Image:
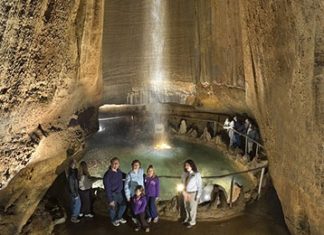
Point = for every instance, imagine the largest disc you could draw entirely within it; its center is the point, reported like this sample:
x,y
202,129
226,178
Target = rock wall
x,y
201,44
283,64
50,73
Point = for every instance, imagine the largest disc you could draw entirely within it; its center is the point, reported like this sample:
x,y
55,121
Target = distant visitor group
x,y
138,192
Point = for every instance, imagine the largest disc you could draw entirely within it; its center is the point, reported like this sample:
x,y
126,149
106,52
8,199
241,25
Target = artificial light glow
x,y
101,128
162,146
180,187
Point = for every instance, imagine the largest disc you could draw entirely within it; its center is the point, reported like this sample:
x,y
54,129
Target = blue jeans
x,y
237,140
117,212
75,206
151,208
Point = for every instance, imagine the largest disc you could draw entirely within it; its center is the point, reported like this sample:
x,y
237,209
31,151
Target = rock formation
x,y
202,49
283,65
264,58
50,84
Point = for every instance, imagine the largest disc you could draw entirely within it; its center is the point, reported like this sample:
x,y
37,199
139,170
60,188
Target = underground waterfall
x,y
209,113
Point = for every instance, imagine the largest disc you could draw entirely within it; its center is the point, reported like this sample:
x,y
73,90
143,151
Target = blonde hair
x,y
151,167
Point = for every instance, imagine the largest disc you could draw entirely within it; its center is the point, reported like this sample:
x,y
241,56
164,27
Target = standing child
x,y
152,189
138,202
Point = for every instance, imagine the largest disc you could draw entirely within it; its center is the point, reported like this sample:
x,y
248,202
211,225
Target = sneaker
x,y
147,230
116,223
89,215
81,215
122,221
156,219
190,225
149,220
184,222
134,220
75,220
137,229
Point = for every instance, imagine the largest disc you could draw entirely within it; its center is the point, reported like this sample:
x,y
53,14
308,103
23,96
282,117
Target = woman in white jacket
x,y
192,182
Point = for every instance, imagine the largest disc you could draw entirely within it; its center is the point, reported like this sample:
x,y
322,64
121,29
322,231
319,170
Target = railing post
x,y
246,145
260,183
231,191
215,128
257,151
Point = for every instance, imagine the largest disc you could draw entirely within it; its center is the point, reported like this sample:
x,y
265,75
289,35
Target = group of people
x,y
80,188
140,192
235,128
137,191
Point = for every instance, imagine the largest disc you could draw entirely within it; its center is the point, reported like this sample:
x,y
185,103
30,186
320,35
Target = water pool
x,y
106,144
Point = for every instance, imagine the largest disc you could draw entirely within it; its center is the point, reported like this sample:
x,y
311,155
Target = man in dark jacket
x,y
113,183
73,188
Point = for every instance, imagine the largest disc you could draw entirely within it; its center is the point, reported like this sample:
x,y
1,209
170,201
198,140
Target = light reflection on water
x,y
168,162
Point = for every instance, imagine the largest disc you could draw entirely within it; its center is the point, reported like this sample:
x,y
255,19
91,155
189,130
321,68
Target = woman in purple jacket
x,y
139,203
152,190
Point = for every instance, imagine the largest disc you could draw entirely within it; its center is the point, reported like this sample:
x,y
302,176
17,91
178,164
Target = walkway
x,y
264,217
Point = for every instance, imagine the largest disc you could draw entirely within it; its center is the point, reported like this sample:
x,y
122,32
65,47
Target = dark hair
x,y
114,159
83,169
150,166
141,188
71,162
70,170
136,161
192,164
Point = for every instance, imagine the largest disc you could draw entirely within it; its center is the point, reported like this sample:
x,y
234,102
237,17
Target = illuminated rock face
x,y
50,77
283,63
201,43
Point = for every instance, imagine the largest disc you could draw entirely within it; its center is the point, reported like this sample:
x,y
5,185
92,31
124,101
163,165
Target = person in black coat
x,y
74,191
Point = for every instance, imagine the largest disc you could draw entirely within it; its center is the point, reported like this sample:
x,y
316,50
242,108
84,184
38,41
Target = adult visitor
x,y
113,184
192,182
73,183
85,190
134,178
253,135
231,134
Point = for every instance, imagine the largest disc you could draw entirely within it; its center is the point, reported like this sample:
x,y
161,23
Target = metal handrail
x,y
262,168
226,175
217,176
220,124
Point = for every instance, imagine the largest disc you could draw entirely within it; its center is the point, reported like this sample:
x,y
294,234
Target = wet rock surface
x,y
201,48
42,90
283,44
